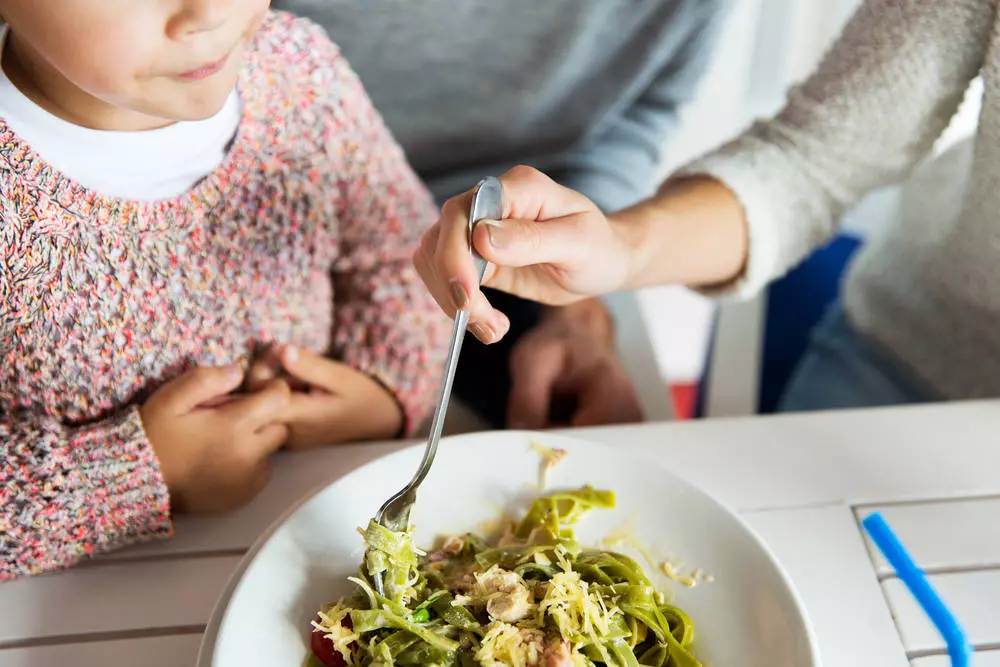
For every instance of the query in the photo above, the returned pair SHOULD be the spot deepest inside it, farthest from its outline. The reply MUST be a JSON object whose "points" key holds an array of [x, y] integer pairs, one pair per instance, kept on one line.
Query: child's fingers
{"points": [[199, 386], [265, 368], [262, 408], [219, 401], [271, 438], [316, 370]]}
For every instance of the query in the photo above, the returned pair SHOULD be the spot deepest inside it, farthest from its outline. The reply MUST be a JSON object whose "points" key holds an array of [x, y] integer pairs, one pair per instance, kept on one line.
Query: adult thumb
{"points": [[516, 243]]}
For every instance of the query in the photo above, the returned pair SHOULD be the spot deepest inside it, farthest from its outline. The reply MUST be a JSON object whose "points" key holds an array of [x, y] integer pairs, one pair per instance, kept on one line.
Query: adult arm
{"points": [[744, 214]]}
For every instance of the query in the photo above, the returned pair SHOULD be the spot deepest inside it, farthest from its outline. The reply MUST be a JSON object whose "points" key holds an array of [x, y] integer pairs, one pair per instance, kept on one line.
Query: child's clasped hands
{"points": [[214, 429]]}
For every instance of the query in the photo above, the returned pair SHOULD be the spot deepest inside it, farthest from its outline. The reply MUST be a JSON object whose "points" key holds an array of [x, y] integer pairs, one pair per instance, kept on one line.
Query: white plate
{"points": [[750, 616]]}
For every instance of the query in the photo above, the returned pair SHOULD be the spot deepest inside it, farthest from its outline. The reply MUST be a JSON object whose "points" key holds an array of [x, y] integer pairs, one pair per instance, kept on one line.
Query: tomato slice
{"points": [[324, 651]]}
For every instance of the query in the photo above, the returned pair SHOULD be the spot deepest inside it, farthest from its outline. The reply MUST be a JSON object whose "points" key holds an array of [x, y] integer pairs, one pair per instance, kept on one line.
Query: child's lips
{"points": [[205, 71]]}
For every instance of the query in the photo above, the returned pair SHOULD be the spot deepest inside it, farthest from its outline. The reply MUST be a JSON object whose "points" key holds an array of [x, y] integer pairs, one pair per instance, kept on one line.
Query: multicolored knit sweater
{"points": [[302, 235]]}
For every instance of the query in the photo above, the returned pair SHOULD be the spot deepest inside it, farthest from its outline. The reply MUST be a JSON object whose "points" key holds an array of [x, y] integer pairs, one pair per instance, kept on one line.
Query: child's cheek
{"points": [[110, 72]]}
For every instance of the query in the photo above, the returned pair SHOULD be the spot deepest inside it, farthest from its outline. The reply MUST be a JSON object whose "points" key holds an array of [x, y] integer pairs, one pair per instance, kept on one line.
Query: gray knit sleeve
{"points": [[875, 106], [616, 165]]}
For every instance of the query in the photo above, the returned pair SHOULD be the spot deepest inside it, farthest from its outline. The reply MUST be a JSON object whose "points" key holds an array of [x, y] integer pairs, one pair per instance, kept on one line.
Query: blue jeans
{"points": [[843, 369]]}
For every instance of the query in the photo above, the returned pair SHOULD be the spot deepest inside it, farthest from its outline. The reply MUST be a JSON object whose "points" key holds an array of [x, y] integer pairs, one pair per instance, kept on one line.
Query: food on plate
{"points": [[532, 597], [550, 459]]}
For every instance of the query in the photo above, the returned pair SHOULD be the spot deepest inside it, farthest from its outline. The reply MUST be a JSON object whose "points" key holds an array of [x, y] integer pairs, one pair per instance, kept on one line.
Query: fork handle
{"points": [[450, 366]]}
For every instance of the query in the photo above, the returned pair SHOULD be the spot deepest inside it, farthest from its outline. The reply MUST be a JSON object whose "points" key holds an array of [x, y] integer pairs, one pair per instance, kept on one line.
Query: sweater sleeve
{"points": [[385, 322], [615, 167], [68, 493], [875, 106]]}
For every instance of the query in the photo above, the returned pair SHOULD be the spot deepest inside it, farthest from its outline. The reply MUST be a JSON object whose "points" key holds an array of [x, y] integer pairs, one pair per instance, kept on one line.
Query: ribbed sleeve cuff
{"points": [[127, 500]]}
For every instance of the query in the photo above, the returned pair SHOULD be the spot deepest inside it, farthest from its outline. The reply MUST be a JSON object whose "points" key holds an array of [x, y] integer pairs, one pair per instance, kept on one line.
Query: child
{"points": [[182, 183]]}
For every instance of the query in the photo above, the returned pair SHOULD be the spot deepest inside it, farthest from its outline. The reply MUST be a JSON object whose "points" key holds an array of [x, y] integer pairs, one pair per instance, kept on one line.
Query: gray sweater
{"points": [[586, 90], [927, 287]]}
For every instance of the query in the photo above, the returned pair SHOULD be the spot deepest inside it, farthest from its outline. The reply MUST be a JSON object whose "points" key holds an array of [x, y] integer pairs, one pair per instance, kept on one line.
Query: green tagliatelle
{"points": [[534, 597]]}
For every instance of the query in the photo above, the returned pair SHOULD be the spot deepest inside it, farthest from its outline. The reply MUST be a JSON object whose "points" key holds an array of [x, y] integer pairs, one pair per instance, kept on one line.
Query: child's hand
{"points": [[331, 402], [214, 454]]}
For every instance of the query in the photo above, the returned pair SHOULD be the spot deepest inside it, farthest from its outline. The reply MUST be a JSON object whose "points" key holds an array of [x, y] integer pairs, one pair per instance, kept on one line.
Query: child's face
{"points": [[129, 64]]}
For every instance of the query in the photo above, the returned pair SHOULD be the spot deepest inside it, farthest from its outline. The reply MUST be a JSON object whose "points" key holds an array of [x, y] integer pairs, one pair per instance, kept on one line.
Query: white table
{"points": [[802, 482]]}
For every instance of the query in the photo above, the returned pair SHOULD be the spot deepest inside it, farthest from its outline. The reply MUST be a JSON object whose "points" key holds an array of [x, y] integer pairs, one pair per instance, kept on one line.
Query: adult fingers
{"points": [[486, 323], [606, 398], [534, 369], [451, 259], [514, 243]]}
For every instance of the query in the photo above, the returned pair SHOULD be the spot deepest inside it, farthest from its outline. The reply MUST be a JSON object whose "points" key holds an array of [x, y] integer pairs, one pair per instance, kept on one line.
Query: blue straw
{"points": [[910, 574]]}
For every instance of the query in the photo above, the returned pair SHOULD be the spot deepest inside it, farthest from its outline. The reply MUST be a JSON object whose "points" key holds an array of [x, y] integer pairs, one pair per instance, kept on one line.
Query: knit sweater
{"points": [[926, 287], [586, 91], [302, 235]]}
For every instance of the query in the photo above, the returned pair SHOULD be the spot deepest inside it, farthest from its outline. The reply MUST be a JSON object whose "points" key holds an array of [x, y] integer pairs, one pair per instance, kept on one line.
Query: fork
{"points": [[487, 204]]}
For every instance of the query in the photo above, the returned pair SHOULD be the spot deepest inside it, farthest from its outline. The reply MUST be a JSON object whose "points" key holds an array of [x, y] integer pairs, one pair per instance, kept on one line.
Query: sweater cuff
{"points": [[411, 374], [128, 499], [764, 256]]}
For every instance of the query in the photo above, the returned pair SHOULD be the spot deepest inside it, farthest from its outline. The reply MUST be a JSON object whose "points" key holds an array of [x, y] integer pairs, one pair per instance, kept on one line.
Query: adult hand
{"points": [[330, 401], [570, 359], [213, 447], [554, 246]]}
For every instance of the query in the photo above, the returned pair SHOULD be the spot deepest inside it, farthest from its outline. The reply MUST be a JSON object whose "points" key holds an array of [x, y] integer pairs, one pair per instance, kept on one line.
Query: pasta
{"points": [[533, 597]]}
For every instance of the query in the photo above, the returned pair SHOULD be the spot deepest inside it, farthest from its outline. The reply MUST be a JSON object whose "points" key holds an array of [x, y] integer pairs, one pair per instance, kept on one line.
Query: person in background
{"points": [[181, 183], [920, 314], [587, 92]]}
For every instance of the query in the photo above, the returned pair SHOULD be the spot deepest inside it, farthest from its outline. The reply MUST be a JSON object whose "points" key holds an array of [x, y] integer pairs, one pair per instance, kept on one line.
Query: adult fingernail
{"points": [[235, 371], [291, 354], [459, 295], [499, 235], [483, 332], [502, 327]]}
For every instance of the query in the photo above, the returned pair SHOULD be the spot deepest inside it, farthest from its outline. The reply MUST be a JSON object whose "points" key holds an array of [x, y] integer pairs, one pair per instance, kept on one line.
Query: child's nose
{"points": [[198, 16]]}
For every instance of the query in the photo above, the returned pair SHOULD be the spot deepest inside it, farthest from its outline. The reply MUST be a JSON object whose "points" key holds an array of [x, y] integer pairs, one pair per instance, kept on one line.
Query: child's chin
{"points": [[200, 104], [203, 110]]}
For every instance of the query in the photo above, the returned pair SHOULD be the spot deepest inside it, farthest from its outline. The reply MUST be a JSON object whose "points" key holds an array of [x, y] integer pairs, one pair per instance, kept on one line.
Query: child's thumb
{"points": [[315, 370], [202, 385], [303, 365]]}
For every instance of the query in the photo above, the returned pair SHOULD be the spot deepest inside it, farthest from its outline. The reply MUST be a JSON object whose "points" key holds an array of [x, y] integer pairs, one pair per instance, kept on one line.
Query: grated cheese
{"points": [[689, 580], [575, 610], [332, 627], [505, 645], [550, 459]]}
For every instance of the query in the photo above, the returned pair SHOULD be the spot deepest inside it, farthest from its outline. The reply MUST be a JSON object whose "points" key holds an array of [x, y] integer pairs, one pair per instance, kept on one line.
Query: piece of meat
{"points": [[451, 547], [497, 580], [557, 654], [510, 606]]}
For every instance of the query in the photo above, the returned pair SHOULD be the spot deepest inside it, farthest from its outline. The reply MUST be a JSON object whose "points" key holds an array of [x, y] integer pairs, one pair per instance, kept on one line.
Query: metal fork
{"points": [[487, 204]]}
